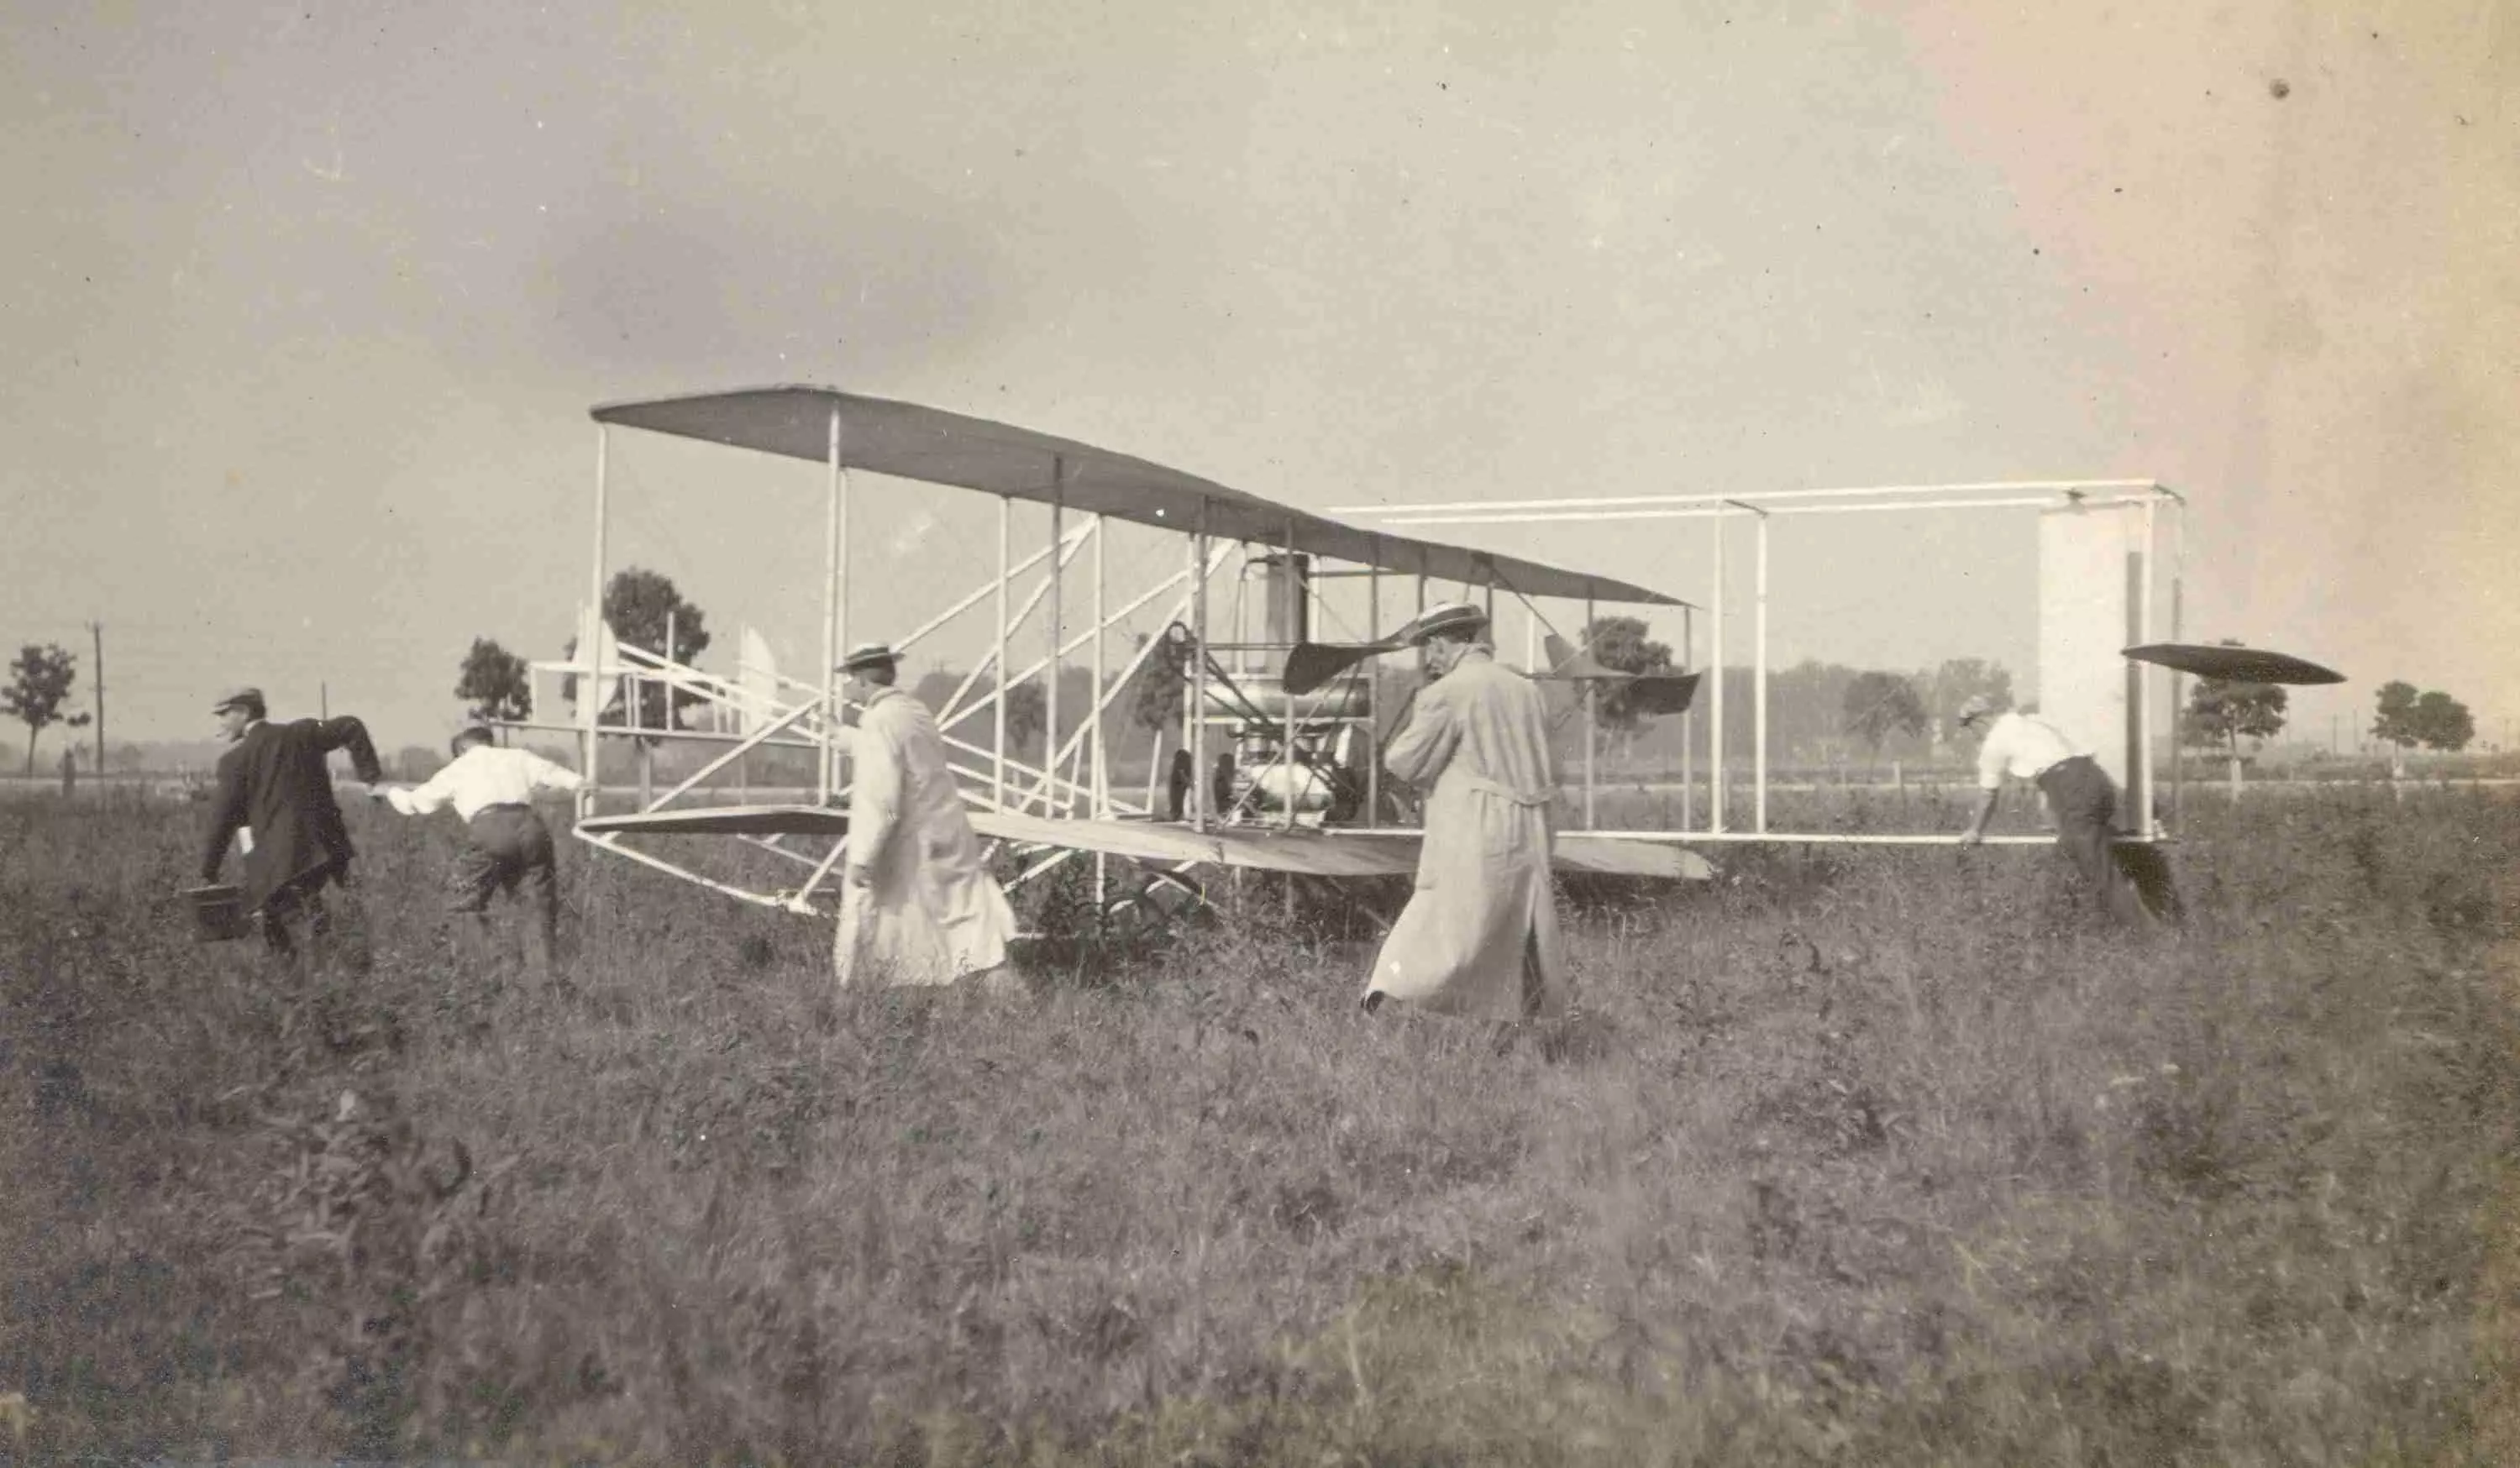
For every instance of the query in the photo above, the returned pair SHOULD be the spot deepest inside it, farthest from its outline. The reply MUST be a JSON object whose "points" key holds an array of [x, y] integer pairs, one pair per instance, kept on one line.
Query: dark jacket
{"points": [[276, 780]]}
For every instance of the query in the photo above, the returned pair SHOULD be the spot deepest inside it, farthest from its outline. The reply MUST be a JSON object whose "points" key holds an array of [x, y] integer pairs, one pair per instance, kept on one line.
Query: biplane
{"points": [[1269, 772], [1276, 762]]}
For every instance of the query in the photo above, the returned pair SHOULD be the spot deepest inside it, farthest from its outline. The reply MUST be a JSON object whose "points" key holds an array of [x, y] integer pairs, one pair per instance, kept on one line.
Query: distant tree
{"points": [[1027, 714], [640, 605], [2443, 723], [1957, 682], [1620, 644], [494, 683], [1160, 682], [1879, 704], [128, 757], [1806, 707], [936, 686], [416, 763], [2396, 723], [2220, 713], [39, 682]]}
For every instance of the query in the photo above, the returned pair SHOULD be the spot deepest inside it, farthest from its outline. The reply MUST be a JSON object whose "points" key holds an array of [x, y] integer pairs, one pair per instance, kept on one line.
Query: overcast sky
{"points": [[308, 302]]}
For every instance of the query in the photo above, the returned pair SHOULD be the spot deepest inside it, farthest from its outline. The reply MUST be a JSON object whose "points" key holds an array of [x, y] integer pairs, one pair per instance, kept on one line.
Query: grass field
{"points": [[1876, 1156]]}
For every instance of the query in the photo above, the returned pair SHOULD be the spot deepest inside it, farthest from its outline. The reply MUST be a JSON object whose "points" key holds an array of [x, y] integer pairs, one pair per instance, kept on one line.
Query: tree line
{"points": [[1816, 710], [2220, 713]]}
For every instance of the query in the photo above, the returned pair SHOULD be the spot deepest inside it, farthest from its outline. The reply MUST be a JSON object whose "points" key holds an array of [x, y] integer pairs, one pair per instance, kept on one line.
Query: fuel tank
{"points": [[1263, 696]]}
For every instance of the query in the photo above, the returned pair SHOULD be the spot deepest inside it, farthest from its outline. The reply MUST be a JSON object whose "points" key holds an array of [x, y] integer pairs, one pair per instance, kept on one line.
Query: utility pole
{"points": [[97, 630], [323, 700]]}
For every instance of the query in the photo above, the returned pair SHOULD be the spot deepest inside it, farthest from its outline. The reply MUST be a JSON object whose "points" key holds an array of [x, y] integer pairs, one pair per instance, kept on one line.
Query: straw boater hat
{"points": [[1451, 616], [867, 655]]}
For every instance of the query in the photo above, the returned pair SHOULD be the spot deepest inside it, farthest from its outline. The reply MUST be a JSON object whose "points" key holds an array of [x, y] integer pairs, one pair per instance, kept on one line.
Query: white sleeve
{"points": [[431, 797], [1991, 758], [547, 775]]}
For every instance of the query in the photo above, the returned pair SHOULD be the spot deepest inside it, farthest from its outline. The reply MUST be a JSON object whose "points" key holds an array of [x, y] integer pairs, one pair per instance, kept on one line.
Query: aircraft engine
{"points": [[1274, 786]]}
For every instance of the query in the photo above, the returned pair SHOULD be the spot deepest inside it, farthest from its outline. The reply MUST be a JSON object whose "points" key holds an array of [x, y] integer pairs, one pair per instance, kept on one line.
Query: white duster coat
{"points": [[1479, 936], [933, 913]]}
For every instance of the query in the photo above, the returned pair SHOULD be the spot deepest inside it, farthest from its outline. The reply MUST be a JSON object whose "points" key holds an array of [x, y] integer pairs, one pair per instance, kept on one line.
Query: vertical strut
{"points": [[1286, 745], [1591, 708], [1373, 685], [1759, 687], [1716, 770], [1198, 782], [590, 691], [1688, 724], [1058, 630], [998, 761], [835, 608], [1099, 803]]}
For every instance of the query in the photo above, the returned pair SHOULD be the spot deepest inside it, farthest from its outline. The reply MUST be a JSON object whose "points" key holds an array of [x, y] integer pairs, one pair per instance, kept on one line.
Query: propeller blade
{"points": [[1313, 664], [1584, 667], [1573, 663], [2234, 664], [1661, 692]]}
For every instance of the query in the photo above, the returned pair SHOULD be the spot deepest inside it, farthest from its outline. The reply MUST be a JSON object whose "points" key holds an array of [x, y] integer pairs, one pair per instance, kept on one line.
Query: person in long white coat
{"points": [[919, 906], [1479, 937]]}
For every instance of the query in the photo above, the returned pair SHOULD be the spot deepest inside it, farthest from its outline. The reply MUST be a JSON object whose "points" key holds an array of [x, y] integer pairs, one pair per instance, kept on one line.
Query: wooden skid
{"points": [[1386, 853]]}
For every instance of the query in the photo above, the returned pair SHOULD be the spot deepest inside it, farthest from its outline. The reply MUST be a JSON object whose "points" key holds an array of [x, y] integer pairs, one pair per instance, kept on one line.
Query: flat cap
{"points": [[240, 698]]}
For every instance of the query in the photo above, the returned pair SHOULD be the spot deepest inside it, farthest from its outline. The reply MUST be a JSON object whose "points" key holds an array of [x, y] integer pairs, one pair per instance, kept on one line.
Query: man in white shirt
{"points": [[508, 845], [919, 905], [2080, 795]]}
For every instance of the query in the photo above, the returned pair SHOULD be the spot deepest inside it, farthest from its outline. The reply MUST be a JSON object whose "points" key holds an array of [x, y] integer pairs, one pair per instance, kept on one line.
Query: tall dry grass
{"points": [[1875, 1157]]}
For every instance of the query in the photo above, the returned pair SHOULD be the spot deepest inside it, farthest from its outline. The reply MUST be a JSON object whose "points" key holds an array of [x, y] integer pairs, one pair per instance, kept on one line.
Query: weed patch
{"points": [[1879, 1156]]}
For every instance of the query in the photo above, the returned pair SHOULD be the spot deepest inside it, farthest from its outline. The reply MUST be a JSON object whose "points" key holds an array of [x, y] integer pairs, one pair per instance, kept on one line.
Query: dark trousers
{"points": [[299, 904], [511, 849], [2085, 802]]}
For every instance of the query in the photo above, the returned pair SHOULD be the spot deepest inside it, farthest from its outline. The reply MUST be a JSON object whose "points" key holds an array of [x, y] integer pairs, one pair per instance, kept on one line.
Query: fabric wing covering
{"points": [[1346, 854], [925, 444]]}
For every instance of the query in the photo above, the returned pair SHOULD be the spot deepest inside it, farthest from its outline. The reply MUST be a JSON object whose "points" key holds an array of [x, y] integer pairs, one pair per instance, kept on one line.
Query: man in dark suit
{"points": [[277, 784]]}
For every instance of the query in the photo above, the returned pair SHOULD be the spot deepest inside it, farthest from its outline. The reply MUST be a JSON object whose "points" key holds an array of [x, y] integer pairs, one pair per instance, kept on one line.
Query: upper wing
{"points": [[934, 447]]}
